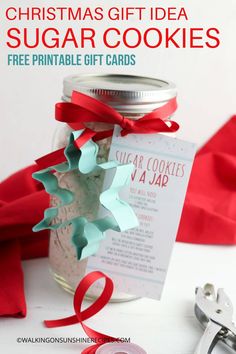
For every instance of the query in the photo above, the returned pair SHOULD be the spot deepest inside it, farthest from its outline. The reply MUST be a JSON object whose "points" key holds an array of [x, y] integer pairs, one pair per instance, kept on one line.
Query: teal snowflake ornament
{"points": [[119, 216]]}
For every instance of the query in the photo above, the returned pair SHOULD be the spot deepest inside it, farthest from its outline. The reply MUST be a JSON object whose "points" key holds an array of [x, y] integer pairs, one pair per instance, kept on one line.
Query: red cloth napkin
{"points": [[22, 202], [209, 215]]}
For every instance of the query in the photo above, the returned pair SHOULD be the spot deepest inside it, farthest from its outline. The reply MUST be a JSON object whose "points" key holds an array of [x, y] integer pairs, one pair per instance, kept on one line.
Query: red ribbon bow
{"points": [[81, 316], [84, 109]]}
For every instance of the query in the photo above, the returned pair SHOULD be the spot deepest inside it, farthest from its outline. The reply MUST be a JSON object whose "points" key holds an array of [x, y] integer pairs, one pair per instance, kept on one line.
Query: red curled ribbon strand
{"points": [[83, 109], [81, 316]]}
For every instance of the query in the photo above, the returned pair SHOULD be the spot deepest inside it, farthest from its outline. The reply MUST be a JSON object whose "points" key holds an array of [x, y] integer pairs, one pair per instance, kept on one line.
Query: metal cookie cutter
{"points": [[215, 313]]}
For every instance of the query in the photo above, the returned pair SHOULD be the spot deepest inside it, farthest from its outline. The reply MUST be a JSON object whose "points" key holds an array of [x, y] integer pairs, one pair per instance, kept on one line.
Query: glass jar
{"points": [[132, 96]]}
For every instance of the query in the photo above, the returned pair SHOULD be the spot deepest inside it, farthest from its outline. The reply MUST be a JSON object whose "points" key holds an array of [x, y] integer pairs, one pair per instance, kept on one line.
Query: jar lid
{"points": [[125, 93]]}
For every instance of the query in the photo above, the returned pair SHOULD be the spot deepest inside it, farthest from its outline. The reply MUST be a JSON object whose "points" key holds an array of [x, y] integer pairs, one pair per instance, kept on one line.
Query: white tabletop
{"points": [[165, 327]]}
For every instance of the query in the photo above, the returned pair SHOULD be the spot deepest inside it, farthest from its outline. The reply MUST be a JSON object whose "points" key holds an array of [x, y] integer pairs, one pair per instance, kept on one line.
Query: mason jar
{"points": [[133, 97]]}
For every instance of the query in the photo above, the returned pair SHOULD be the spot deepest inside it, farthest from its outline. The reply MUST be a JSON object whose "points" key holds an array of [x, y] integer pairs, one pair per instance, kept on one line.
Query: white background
{"points": [[165, 327], [205, 78]]}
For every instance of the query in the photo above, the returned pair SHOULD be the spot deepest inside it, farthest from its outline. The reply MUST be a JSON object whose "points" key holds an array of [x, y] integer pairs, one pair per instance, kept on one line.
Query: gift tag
{"points": [[137, 259]]}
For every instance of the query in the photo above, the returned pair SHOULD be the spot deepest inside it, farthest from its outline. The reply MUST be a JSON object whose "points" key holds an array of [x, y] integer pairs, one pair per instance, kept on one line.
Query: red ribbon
{"points": [[84, 109], [81, 316]]}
